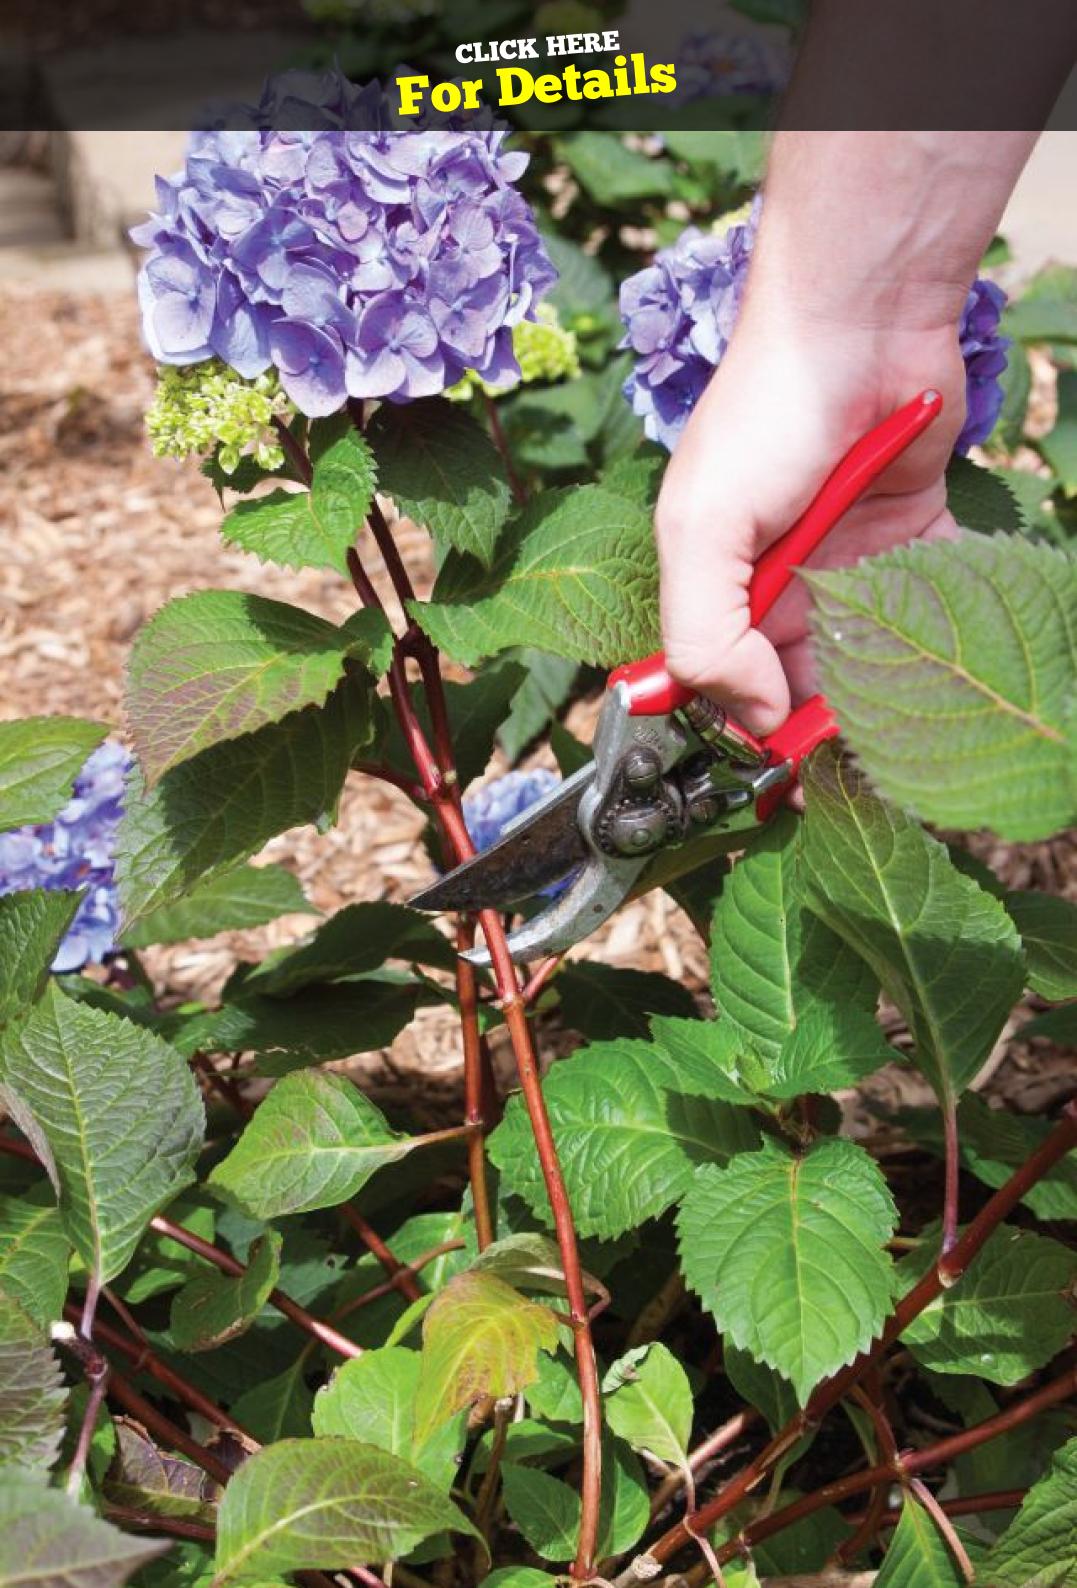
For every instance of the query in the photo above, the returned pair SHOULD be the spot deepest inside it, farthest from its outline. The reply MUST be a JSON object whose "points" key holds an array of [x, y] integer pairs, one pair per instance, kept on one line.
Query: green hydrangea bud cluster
{"points": [[207, 407], [545, 351], [735, 217]]}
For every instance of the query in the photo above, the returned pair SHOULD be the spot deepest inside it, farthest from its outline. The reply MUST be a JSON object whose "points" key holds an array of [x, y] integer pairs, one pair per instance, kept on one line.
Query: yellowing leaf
{"points": [[480, 1338]]}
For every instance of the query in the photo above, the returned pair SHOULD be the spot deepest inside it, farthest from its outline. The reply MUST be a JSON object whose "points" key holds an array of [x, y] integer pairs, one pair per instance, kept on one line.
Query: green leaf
{"points": [[34, 1255], [32, 926], [1047, 308], [1007, 1316], [981, 499], [114, 1114], [917, 1556], [40, 757], [32, 1391], [946, 952], [1037, 1549], [575, 571], [649, 1402], [772, 960], [144, 1478], [994, 1143], [314, 1026], [248, 896], [315, 528], [442, 470], [322, 1504], [760, 1386], [279, 1407], [611, 173], [518, 1577], [555, 1393], [480, 1338], [374, 1397], [1048, 928], [357, 939], [219, 664], [606, 1001], [213, 1308], [543, 690], [630, 1124], [312, 1143], [742, 154], [805, 1547], [950, 664], [788, 1254], [545, 1509], [583, 294], [527, 1261], [1059, 445], [48, 1540], [207, 815], [475, 709], [830, 1048]]}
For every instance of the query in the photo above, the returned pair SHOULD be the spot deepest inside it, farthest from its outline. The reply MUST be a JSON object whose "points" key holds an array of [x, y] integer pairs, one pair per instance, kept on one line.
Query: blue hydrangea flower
{"points": [[75, 852], [680, 311], [358, 260], [984, 352], [679, 314], [710, 65]]}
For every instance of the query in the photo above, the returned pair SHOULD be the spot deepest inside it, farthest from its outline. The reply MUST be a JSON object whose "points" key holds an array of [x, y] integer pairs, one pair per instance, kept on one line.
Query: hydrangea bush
{"points": [[654, 1308]]}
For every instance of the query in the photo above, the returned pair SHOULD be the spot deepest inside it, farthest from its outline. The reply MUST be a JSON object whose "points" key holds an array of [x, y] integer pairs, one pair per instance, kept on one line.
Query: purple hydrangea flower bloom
{"points": [[984, 352], [679, 314], [75, 852], [360, 260]]}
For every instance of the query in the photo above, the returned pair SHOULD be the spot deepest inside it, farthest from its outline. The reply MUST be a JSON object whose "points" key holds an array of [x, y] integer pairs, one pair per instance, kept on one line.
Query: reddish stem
{"points": [[475, 1090], [376, 1293], [439, 780], [295, 454], [225, 1088], [230, 1265], [921, 1492], [946, 1272], [144, 1360], [541, 977], [501, 442], [373, 1241], [967, 1505], [173, 1526], [388, 774], [907, 1467]]}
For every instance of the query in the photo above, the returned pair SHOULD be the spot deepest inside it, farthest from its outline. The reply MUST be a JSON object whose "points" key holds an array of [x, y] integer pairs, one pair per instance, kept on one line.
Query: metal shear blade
{"points": [[540, 847]]}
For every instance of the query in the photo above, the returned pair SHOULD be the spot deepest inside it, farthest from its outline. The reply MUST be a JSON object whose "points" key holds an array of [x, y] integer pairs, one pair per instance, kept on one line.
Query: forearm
{"points": [[878, 230]]}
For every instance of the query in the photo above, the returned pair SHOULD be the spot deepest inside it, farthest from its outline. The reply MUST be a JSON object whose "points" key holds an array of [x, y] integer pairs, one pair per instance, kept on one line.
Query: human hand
{"points": [[781, 411]]}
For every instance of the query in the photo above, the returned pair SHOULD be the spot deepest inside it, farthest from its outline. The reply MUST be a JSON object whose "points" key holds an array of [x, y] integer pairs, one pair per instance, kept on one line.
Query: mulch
{"points": [[97, 534]]}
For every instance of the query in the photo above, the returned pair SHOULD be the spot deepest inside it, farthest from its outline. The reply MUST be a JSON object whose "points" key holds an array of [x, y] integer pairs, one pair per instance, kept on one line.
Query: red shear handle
{"points": [[802, 731], [651, 689]]}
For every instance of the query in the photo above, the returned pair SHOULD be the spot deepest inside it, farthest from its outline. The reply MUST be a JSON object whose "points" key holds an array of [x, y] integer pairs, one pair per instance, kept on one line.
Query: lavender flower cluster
{"points": [[984, 352], [679, 315], [75, 852], [360, 263]]}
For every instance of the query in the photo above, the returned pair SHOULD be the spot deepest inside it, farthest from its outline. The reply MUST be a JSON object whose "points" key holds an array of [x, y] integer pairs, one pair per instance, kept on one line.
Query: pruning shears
{"points": [[669, 767]]}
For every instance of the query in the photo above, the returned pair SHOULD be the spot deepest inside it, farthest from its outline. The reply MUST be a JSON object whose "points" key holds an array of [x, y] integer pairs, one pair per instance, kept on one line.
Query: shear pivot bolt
{"points": [[638, 831], [641, 770]]}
